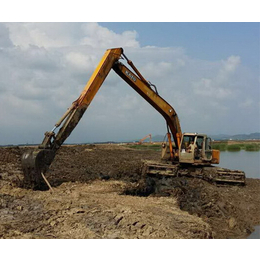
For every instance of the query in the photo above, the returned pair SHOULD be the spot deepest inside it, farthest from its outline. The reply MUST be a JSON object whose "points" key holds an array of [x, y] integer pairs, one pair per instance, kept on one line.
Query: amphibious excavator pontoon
{"points": [[187, 154]]}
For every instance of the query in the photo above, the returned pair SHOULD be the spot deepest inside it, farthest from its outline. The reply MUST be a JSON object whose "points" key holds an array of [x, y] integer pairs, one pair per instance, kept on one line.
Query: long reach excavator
{"points": [[187, 154]]}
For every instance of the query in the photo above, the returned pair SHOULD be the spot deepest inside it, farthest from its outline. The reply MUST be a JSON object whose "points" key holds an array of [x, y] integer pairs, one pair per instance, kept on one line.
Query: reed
{"points": [[252, 147], [233, 147]]}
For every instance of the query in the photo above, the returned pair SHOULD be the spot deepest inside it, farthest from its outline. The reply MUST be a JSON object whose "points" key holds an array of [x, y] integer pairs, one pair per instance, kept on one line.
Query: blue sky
{"points": [[209, 72], [208, 41]]}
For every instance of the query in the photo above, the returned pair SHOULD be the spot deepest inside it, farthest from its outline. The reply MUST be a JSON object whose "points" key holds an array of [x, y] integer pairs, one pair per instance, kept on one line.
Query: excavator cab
{"points": [[196, 149]]}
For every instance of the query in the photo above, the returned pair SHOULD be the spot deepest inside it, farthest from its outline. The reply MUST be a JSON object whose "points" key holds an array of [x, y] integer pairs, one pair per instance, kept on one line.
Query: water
{"points": [[249, 162], [255, 234]]}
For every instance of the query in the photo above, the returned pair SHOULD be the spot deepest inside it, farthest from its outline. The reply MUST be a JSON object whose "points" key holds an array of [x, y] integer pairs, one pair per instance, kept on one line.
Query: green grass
{"points": [[154, 147], [252, 147], [220, 146], [233, 147], [224, 146]]}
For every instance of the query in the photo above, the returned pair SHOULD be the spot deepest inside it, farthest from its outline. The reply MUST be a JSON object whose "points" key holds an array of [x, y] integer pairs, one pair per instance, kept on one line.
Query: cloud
{"points": [[248, 102], [231, 64], [57, 35], [208, 88], [45, 66], [219, 85], [98, 36], [47, 35], [4, 37]]}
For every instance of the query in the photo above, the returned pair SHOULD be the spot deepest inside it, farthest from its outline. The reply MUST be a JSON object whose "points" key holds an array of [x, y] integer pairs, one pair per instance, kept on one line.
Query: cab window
{"points": [[199, 142], [208, 144]]}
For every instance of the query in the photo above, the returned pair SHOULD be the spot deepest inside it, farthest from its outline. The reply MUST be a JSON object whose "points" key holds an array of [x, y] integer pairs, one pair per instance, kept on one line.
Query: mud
{"points": [[99, 192]]}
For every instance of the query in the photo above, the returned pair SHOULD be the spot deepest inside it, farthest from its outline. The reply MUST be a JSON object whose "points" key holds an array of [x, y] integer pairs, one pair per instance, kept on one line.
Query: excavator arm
{"points": [[36, 163]]}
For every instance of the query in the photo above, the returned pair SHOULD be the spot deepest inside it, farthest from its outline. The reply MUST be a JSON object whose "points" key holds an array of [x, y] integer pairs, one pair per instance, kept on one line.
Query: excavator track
{"points": [[212, 174]]}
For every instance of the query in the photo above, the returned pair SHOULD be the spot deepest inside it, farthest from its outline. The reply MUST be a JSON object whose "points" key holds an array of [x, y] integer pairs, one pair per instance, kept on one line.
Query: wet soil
{"points": [[99, 192]]}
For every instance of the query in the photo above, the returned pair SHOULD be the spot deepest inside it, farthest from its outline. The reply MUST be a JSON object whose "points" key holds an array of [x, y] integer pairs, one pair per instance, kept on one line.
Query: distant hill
{"points": [[252, 136], [158, 138]]}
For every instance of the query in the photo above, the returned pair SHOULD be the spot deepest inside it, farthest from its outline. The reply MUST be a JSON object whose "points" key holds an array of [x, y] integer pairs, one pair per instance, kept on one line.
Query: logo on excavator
{"points": [[130, 75]]}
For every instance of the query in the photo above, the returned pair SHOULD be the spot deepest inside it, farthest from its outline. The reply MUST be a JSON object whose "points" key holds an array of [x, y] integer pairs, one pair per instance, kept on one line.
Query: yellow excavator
{"points": [[189, 153]]}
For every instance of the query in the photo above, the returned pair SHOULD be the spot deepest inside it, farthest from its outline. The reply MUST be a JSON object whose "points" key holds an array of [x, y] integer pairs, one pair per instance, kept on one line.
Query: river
{"points": [[249, 162]]}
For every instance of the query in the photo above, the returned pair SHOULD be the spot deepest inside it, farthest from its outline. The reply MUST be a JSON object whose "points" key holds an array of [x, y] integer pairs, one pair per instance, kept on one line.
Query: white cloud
{"points": [[231, 64], [208, 88], [219, 86], [57, 35], [98, 36], [80, 61], [43, 34], [248, 102]]}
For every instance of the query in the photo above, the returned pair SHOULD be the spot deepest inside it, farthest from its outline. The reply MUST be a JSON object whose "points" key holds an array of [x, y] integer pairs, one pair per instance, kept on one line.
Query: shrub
{"points": [[252, 147], [233, 147], [219, 146]]}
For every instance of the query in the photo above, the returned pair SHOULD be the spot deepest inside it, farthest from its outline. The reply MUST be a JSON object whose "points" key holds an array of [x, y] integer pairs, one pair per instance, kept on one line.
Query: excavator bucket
{"points": [[34, 164]]}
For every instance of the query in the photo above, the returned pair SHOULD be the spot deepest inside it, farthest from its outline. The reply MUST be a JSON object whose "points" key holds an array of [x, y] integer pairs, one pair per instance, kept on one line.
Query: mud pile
{"points": [[90, 162], [91, 199], [10, 165], [231, 211]]}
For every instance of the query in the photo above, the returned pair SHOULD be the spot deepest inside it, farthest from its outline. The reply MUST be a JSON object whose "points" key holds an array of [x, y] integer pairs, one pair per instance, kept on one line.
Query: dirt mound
{"points": [[83, 164], [10, 165], [77, 210], [231, 211]]}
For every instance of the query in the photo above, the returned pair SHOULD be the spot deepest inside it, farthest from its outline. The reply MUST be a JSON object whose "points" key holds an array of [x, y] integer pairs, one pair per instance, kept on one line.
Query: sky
{"points": [[209, 73]]}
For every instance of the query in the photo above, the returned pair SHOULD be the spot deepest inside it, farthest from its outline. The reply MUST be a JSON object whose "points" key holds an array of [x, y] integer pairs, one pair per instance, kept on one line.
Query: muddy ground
{"points": [[98, 193]]}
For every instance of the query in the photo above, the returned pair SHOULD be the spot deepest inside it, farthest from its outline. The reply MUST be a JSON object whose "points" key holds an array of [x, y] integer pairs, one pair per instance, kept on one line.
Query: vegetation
{"points": [[237, 146], [218, 145], [154, 147], [252, 147], [233, 147]]}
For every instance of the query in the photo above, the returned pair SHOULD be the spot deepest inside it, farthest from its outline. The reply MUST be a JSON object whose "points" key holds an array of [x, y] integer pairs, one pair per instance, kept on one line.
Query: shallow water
{"points": [[255, 234]]}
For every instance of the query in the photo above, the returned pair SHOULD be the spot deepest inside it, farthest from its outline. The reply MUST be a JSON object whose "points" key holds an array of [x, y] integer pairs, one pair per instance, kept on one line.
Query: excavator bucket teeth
{"points": [[34, 164]]}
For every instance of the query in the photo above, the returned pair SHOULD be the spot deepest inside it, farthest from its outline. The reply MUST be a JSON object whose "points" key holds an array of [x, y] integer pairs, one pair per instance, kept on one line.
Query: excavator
{"points": [[147, 136], [187, 154]]}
